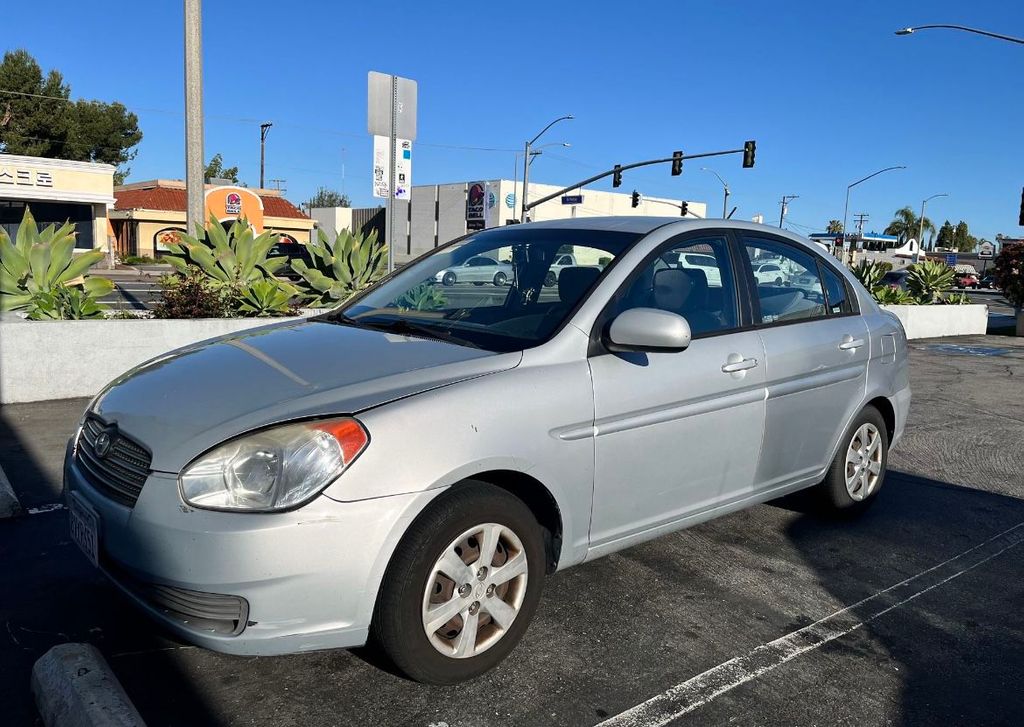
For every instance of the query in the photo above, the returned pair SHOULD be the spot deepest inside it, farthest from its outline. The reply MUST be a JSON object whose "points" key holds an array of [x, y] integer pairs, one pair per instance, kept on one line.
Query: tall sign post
{"points": [[391, 118], [194, 182]]}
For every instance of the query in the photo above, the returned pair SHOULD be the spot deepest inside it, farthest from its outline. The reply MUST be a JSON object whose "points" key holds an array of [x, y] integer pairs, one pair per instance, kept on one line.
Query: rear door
{"points": [[816, 349]]}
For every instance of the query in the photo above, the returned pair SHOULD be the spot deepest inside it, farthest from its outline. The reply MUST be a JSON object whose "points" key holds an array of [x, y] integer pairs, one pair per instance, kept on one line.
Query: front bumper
{"points": [[307, 579]]}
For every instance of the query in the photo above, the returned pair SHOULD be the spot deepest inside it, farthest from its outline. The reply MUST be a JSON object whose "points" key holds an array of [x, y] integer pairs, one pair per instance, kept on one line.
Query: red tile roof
{"points": [[173, 198]]}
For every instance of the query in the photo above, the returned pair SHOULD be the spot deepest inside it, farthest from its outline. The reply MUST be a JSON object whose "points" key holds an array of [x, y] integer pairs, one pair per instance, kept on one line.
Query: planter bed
{"points": [[932, 321]]}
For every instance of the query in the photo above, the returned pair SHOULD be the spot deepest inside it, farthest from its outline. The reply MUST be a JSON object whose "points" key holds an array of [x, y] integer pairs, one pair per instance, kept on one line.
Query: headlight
{"points": [[274, 469]]}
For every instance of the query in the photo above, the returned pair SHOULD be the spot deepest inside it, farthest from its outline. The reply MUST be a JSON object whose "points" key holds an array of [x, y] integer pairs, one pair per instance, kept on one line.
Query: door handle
{"points": [[742, 364], [849, 343]]}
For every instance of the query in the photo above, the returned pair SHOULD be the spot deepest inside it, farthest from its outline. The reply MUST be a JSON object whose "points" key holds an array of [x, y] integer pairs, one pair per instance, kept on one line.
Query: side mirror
{"points": [[648, 329]]}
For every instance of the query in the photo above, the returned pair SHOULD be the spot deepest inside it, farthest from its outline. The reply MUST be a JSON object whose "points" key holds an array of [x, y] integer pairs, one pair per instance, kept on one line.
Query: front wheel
{"points": [[550, 279], [858, 470], [448, 278], [462, 586]]}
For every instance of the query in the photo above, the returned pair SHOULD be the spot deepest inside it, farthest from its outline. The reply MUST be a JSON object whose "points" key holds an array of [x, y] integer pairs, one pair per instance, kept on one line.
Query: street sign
{"points": [[572, 199], [986, 250], [951, 259], [379, 97]]}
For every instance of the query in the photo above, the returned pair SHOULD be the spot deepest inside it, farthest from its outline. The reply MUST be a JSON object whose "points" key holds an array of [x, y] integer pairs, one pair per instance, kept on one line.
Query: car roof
{"points": [[647, 224]]}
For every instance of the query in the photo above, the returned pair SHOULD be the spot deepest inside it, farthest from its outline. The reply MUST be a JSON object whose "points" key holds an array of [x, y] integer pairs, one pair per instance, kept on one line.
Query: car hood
{"points": [[186, 401]]}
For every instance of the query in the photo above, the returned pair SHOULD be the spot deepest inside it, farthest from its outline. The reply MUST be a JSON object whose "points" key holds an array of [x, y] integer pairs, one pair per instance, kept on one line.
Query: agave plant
{"points": [[266, 298], [424, 296], [40, 273], [228, 257], [929, 280], [869, 273], [887, 295], [343, 267], [955, 299]]}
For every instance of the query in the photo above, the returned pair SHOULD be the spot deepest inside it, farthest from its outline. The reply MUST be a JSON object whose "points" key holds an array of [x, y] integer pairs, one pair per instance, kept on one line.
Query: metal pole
{"points": [[920, 229], [194, 183], [846, 211], [391, 181], [999, 36], [526, 180], [264, 130]]}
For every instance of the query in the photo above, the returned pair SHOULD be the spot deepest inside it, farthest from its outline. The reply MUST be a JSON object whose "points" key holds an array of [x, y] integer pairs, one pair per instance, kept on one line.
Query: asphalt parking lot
{"points": [[773, 616]]}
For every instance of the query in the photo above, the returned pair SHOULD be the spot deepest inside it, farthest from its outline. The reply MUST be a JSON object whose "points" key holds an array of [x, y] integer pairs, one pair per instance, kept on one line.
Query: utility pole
{"points": [[264, 130], [278, 185], [785, 200], [194, 182], [526, 161], [860, 218]]}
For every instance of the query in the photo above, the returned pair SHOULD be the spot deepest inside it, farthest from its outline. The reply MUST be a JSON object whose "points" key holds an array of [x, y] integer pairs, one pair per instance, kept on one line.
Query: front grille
{"points": [[207, 612], [122, 472]]}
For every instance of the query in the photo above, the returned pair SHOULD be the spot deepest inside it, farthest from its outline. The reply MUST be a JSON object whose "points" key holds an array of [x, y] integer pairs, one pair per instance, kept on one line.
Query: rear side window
{"points": [[789, 288], [836, 293]]}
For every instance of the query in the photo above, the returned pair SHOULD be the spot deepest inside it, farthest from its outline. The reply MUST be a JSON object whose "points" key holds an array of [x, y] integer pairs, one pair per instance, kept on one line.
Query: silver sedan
{"points": [[478, 269], [409, 468]]}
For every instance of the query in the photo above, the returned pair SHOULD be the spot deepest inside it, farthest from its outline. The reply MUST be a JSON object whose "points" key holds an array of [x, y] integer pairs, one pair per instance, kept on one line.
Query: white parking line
{"points": [[701, 689]]}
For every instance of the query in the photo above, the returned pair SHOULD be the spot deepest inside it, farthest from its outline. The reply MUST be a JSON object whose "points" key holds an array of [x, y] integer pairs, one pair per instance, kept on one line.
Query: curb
{"points": [[74, 687], [9, 505]]}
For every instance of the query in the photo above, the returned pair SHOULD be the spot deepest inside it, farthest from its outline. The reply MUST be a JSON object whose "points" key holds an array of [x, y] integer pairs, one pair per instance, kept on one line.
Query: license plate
{"points": [[85, 527]]}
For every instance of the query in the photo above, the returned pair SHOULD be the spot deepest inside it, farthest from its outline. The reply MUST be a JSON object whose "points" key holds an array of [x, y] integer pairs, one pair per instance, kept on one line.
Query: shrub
{"points": [[191, 295], [887, 295], [869, 274], [138, 260], [425, 296], [1009, 274], [40, 273]]}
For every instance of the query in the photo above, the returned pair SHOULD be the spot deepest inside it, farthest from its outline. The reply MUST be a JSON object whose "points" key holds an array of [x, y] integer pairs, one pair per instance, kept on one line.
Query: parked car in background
{"points": [[411, 474], [769, 273], [895, 279], [705, 263], [288, 248], [987, 281], [479, 269], [565, 260], [966, 280]]}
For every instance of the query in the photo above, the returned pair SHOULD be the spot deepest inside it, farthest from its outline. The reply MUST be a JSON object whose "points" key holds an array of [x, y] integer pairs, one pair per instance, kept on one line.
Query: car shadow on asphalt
{"points": [[958, 651]]}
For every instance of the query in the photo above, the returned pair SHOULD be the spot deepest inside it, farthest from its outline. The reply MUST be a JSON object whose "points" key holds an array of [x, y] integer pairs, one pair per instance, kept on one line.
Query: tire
{"points": [[500, 278], [414, 581], [550, 279], [837, 494], [448, 278], [778, 281]]}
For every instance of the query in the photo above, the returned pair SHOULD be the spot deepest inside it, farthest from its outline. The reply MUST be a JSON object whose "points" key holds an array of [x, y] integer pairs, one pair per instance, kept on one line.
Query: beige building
{"points": [[147, 215], [57, 191]]}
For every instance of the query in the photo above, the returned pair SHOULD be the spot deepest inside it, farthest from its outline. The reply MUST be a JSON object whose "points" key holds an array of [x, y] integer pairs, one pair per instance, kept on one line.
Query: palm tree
{"points": [[907, 224], [835, 227]]}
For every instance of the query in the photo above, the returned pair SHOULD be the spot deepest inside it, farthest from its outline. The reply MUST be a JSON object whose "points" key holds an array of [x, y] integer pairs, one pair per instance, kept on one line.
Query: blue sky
{"points": [[827, 90]]}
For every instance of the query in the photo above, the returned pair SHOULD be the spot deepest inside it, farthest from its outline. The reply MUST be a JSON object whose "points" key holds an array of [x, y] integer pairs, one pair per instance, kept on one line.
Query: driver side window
{"points": [[693, 278]]}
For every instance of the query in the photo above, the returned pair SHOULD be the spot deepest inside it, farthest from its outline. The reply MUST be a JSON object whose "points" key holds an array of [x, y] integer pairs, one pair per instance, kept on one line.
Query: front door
{"points": [[677, 433]]}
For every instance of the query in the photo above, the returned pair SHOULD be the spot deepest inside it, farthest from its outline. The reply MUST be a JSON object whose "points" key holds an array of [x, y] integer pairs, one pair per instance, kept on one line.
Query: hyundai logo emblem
{"points": [[103, 444]]}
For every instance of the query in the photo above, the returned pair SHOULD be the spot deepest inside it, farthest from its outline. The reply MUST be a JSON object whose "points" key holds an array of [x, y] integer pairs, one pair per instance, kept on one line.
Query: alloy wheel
{"points": [[474, 591], [864, 461]]}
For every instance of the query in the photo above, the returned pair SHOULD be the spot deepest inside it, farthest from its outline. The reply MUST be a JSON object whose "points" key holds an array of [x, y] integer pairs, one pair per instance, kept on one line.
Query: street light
{"points": [[527, 157], [1010, 38], [920, 228], [846, 209], [725, 187]]}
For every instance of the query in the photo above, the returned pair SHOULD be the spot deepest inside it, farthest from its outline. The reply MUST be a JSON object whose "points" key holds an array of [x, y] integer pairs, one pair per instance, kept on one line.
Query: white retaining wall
{"points": [[64, 359], [932, 321]]}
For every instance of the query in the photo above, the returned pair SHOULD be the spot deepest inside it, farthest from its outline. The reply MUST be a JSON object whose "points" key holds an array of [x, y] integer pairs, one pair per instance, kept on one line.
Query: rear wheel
{"points": [[858, 470], [550, 279], [462, 586], [500, 278], [448, 279]]}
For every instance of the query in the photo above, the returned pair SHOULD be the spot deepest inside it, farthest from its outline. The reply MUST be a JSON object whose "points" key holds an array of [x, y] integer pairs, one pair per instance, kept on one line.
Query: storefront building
{"points": [[148, 215], [57, 191]]}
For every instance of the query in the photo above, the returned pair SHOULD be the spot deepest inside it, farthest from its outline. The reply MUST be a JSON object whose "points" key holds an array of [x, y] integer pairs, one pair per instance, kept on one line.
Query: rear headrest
{"points": [[574, 281]]}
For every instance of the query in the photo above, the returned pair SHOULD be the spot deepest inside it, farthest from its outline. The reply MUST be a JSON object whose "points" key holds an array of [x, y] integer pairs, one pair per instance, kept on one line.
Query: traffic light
{"points": [[636, 199], [1020, 220], [677, 163], [749, 148], [684, 208], [617, 177]]}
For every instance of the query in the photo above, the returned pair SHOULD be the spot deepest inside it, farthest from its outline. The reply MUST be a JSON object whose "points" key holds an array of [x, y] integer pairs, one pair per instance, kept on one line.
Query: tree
{"points": [[906, 224], [325, 197], [38, 118], [963, 240], [216, 170], [835, 227], [945, 238]]}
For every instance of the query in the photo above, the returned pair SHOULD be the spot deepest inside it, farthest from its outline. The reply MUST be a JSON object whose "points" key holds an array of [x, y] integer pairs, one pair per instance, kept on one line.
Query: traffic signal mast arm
{"points": [[618, 169]]}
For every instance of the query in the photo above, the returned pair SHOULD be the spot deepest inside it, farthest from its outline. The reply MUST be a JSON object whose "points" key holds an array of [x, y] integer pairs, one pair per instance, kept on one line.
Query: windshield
{"points": [[504, 289]]}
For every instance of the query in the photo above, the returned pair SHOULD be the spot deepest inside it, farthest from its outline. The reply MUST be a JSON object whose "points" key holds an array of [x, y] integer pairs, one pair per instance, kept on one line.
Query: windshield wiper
{"points": [[402, 326]]}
